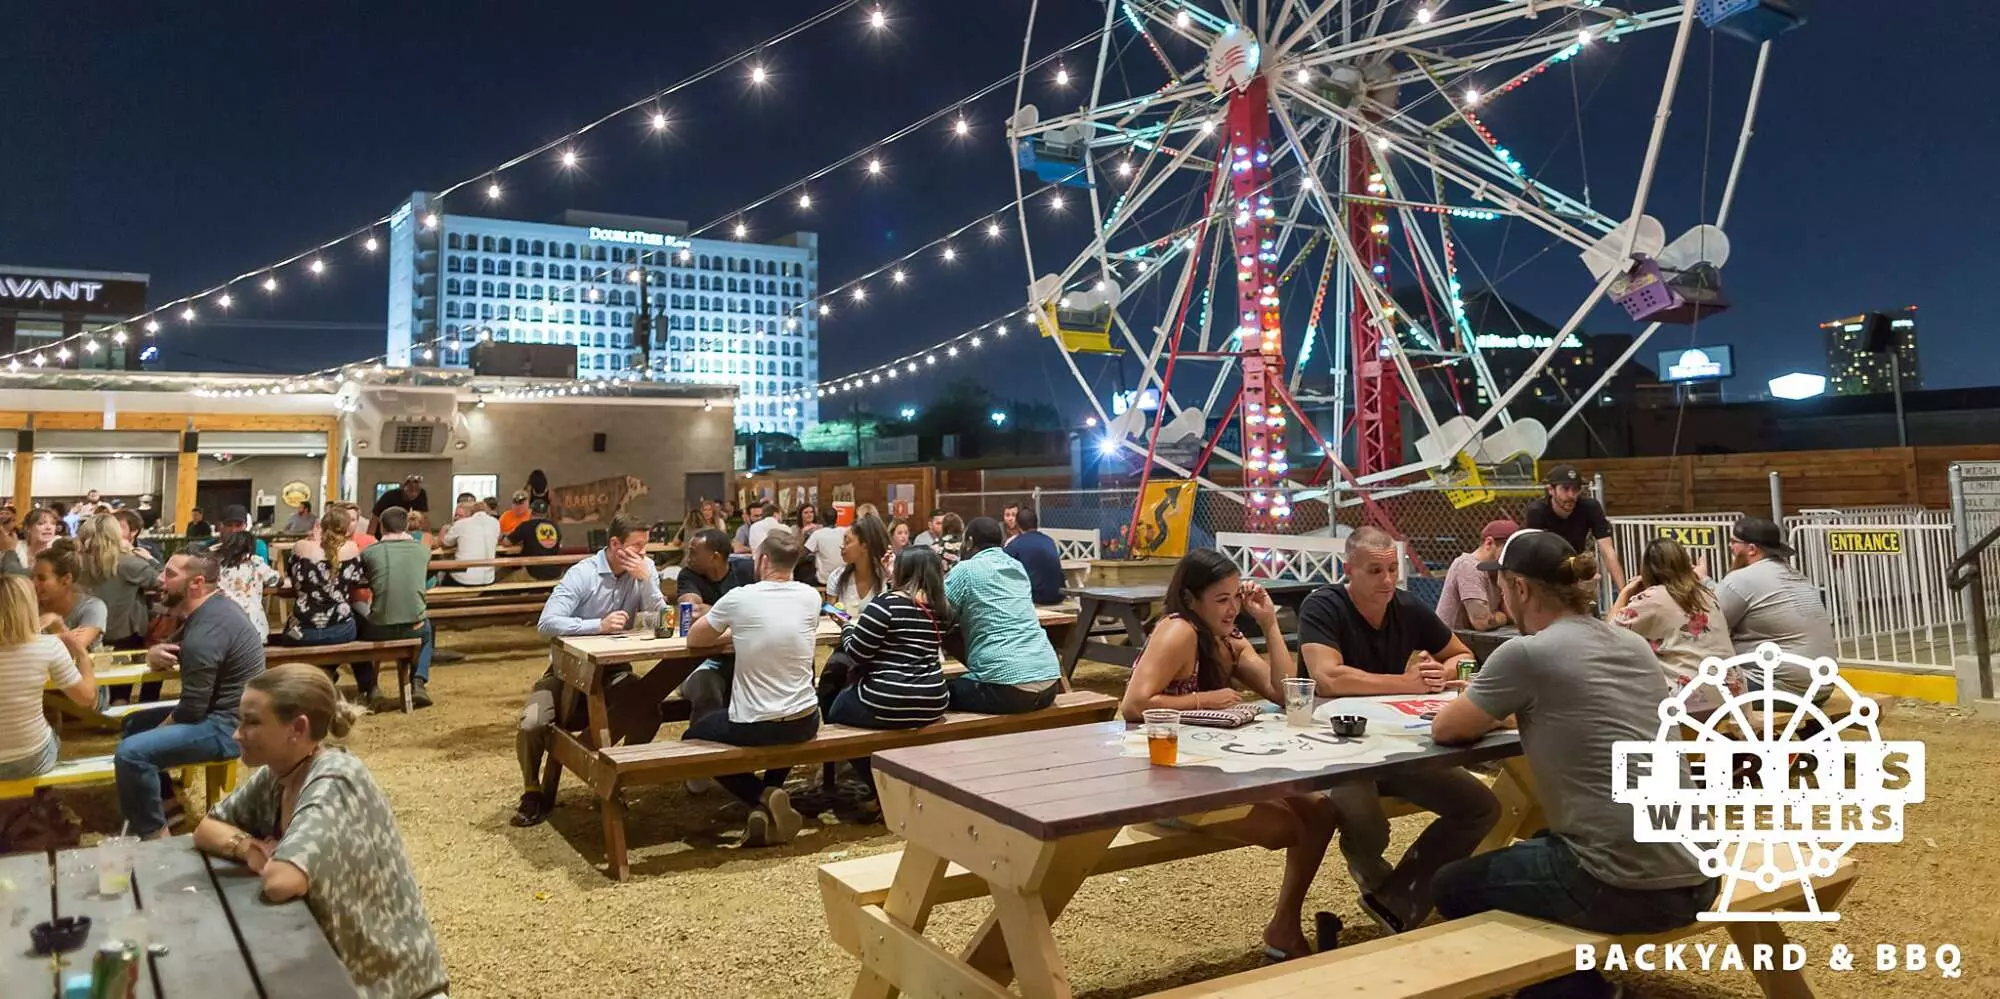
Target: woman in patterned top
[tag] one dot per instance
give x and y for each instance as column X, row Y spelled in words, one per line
column 952, row 541
column 326, row 570
column 1667, row 604
column 1193, row 660
column 311, row 822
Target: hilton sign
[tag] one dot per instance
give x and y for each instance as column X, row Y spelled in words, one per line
column 42, row 293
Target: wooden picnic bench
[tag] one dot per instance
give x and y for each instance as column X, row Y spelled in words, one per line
column 1032, row 815
column 583, row 665
column 221, row 939
column 398, row 654
column 1131, row 607
column 88, row 771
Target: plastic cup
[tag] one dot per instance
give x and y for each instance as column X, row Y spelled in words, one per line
column 1299, row 701
column 1163, row 736
column 114, row 864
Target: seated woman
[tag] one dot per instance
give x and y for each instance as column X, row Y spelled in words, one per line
column 311, row 822
column 951, row 544
column 1666, row 604
column 245, row 574
column 28, row 662
column 326, row 571
column 895, row 675
column 1194, row 659
column 855, row 586
column 65, row 607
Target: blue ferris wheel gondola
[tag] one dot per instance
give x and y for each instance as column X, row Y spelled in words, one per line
column 1054, row 161
column 1751, row 20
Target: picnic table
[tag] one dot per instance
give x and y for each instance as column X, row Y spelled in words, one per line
column 222, row 940
column 1032, row 815
column 1131, row 607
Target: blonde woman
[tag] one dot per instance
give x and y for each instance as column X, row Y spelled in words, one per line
column 112, row 572
column 311, row 822
column 28, row 662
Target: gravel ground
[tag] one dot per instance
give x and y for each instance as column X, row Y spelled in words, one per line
column 529, row 912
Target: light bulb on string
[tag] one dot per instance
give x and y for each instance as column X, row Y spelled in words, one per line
column 430, row 220
column 1000, row 329
column 1303, row 76
column 949, row 254
column 1423, row 15
column 152, row 326
column 318, row 266
column 992, row 230
column 118, row 337
column 568, row 158
column 974, row 341
column 825, row 309
column 371, row 245
column 1124, row 168
column 1471, row 96
column 742, row 230
column 1062, row 76
column 860, row 293
column 687, row 255
column 659, row 121
column 187, row 314
column 874, row 166
column 225, row 301
column 805, row 200
column 493, row 190
column 1208, row 128
column 1182, row 20
column 90, row 346
column 758, row 75
column 961, row 127
column 1056, row 202
column 896, row 275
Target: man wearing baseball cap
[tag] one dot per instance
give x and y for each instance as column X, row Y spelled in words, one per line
column 1764, row 599
column 1576, row 518
column 1469, row 600
column 514, row 515
column 1575, row 685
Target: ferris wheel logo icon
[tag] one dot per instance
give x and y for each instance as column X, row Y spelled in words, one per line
column 1769, row 787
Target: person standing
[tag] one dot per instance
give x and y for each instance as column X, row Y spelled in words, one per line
column 1576, row 518
column 1576, row 686
column 601, row 595
column 301, row 521
column 773, row 625
column 410, row 496
column 197, row 528
column 1038, row 554
column 1469, row 601
column 311, row 823
column 30, row 660
column 473, row 537
column 218, row 652
column 1367, row 637
column 396, row 565
column 1010, row 665
column 1764, row 599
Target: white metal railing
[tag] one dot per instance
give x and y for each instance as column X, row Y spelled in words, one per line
column 1704, row 535
column 1884, row 586
column 1074, row 544
column 1296, row 557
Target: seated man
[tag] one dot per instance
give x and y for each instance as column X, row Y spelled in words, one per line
column 472, row 537
column 218, row 652
column 1575, row 685
column 773, row 625
column 1038, row 554
column 752, row 515
column 1469, row 601
column 536, row 535
column 707, row 571
column 397, row 565
column 601, row 595
column 1764, row 599
column 1010, row 665
column 1366, row 638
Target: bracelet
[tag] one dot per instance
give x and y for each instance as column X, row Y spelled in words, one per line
column 236, row 843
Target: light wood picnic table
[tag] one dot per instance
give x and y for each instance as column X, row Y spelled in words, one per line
column 1131, row 607
column 221, row 939
column 1032, row 815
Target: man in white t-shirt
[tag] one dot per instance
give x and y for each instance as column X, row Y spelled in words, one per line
column 474, row 535
column 773, row 625
column 761, row 529
column 825, row 545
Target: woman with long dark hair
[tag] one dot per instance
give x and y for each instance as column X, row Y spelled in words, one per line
column 951, row 544
column 1667, row 604
column 1194, row 659
column 895, row 671
column 65, row 607
column 860, row 578
column 245, row 574
column 538, row 487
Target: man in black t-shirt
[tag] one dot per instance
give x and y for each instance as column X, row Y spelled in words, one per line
column 538, row 535
column 1369, row 638
column 707, row 572
column 1576, row 518
column 410, row 496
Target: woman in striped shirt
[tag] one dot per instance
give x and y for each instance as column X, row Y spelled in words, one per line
column 896, row 675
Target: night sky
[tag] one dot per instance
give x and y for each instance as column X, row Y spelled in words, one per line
column 196, row 142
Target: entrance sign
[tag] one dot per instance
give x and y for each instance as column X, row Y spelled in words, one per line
column 1865, row 542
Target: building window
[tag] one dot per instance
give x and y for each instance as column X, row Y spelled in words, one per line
column 486, row 244
column 454, row 242
column 506, row 245
column 538, row 248
column 520, row 290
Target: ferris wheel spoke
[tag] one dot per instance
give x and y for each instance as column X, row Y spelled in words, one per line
column 1415, row 35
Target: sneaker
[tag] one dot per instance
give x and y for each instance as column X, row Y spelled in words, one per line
column 532, row 810
column 420, row 695
column 785, row 821
column 698, row 786
column 757, row 829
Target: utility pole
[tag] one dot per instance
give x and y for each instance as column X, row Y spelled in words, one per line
column 642, row 322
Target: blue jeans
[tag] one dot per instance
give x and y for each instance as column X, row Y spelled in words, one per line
column 147, row 748
column 33, row 764
column 338, row 633
column 371, row 632
column 848, row 709
column 1542, row 879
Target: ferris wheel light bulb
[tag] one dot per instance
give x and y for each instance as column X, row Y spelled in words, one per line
column 1423, row 15
column 1062, row 76
column 1208, row 128
column 1182, row 20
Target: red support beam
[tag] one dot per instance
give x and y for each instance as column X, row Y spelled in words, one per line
column 1378, row 389
column 1246, row 160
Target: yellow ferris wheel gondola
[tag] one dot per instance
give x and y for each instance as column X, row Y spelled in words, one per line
column 1081, row 320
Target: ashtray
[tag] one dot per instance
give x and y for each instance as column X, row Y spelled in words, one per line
column 1348, row 725
column 59, row 936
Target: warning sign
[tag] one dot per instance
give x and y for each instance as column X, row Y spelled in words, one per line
column 1865, row 542
column 1687, row 536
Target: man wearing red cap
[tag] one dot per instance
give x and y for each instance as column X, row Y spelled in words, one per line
column 1469, row 600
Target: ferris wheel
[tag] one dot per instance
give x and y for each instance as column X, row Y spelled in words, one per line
column 1290, row 204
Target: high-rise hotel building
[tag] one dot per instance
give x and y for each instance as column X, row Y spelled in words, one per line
column 724, row 312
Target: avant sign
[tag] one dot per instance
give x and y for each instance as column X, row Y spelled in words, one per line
column 56, row 290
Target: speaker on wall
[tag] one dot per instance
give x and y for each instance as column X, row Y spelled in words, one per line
column 190, row 442
column 24, row 440
column 597, row 443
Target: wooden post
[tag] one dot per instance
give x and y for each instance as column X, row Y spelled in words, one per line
column 1911, row 493
column 330, row 488
column 1687, row 483
column 24, row 482
column 184, row 479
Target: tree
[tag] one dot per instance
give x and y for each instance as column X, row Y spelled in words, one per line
column 843, row 434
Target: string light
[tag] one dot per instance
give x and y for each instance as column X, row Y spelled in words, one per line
column 152, row 326
column 742, row 230
column 896, row 275
column 225, row 301
column 949, row 254
column 757, row 74
column 371, row 245
column 961, row 128
column 877, row 19
column 430, row 220
column 318, row 266
column 187, row 314
column 1056, row 202
column 993, row 230
column 1423, row 15
column 1471, row 96
column 1182, row 20
column 805, row 200
column 1124, row 168
column 659, row 121
column 493, row 191
column 1062, row 76
column 860, row 294
column 568, row 158
column 875, row 166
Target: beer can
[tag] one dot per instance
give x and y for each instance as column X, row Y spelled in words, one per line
column 1467, row 669
column 114, row 972
column 685, row 612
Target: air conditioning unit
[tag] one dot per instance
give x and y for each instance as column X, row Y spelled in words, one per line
column 390, row 422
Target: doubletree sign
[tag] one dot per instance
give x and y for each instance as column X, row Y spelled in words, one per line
column 32, row 292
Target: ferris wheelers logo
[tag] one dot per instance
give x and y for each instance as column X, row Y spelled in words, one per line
column 1767, row 787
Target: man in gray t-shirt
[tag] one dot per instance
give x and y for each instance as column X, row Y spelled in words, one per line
column 1575, row 685
column 1766, row 600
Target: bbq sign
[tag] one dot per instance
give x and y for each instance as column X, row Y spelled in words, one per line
column 56, row 291
column 1865, row 542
